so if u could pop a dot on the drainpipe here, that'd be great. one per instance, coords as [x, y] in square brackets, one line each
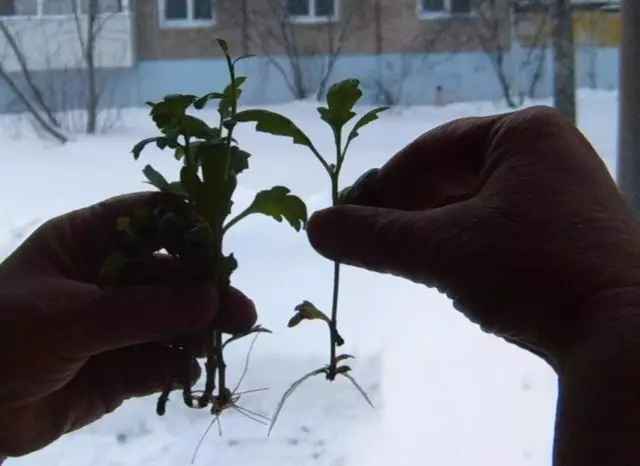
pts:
[628, 172]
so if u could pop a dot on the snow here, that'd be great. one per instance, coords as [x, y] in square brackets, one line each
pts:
[445, 392]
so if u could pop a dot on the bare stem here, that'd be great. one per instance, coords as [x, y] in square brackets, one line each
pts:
[221, 366]
[333, 331]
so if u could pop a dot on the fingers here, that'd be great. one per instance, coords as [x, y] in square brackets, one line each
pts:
[452, 162]
[425, 247]
[116, 318]
[440, 167]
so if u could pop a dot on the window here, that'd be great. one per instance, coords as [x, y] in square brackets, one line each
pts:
[311, 10]
[436, 8]
[187, 13]
[59, 7]
[18, 7]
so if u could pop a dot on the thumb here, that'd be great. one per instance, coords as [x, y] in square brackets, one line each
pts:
[121, 317]
[425, 246]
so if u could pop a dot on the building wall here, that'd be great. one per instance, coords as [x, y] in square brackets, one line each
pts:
[406, 79]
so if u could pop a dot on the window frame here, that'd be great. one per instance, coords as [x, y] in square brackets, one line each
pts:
[312, 18]
[445, 13]
[189, 22]
[39, 14]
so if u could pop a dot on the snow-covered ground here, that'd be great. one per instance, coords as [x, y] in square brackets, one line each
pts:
[445, 393]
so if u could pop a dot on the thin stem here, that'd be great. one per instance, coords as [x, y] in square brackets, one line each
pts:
[336, 282]
[236, 219]
[334, 319]
[222, 367]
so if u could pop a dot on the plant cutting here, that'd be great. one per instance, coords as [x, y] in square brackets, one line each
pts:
[189, 226]
[339, 110]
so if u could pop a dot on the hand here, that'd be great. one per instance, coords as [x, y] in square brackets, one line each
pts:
[71, 352]
[514, 217]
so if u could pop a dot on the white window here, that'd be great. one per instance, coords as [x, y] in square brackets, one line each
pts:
[443, 8]
[312, 10]
[187, 13]
[46, 8]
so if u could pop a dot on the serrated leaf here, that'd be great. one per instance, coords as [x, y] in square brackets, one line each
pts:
[155, 178]
[273, 123]
[367, 118]
[204, 100]
[239, 160]
[171, 109]
[278, 203]
[341, 98]
[227, 266]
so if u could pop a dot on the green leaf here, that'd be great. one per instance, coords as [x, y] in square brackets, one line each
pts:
[191, 182]
[178, 154]
[139, 147]
[204, 100]
[367, 118]
[197, 128]
[239, 160]
[227, 266]
[172, 108]
[307, 311]
[341, 98]
[276, 124]
[226, 104]
[343, 357]
[253, 330]
[223, 45]
[278, 203]
[155, 178]
[176, 187]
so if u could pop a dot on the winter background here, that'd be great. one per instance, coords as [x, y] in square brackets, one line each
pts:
[445, 393]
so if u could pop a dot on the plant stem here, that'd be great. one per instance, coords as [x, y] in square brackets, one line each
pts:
[331, 375]
[334, 320]
[221, 365]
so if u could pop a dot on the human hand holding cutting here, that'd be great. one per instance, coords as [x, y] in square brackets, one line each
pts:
[70, 351]
[516, 218]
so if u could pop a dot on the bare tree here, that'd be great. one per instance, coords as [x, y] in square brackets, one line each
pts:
[310, 48]
[495, 32]
[28, 93]
[72, 82]
[90, 18]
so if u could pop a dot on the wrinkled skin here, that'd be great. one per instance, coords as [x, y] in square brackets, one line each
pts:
[517, 220]
[514, 217]
[70, 351]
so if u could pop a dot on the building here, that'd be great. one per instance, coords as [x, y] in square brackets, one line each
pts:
[404, 51]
